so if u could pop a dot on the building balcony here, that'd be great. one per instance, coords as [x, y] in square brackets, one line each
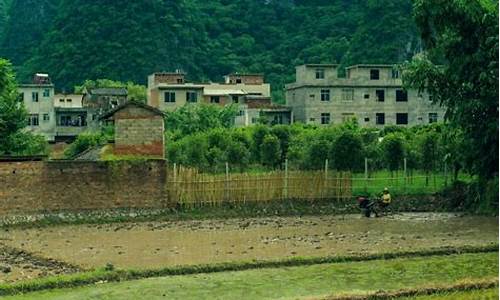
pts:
[69, 131]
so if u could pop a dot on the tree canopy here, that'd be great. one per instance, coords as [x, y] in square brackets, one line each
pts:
[460, 70]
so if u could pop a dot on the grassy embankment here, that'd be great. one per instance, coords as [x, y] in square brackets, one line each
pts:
[317, 280]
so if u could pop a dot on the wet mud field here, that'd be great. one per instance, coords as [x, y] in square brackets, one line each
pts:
[161, 244]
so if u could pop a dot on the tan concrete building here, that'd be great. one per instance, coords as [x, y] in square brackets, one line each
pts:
[139, 129]
[38, 98]
[169, 91]
[373, 94]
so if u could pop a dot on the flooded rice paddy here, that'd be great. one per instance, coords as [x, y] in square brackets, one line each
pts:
[160, 244]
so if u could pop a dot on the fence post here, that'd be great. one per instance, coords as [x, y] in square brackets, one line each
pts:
[404, 174]
[285, 187]
[366, 175]
[174, 184]
[226, 184]
[325, 189]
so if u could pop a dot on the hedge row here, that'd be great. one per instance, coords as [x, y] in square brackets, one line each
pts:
[102, 275]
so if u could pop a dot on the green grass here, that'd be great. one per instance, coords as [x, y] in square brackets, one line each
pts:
[292, 282]
[486, 294]
[414, 185]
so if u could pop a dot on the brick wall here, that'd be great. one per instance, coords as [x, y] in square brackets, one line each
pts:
[27, 187]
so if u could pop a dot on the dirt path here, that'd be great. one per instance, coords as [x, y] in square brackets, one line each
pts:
[157, 244]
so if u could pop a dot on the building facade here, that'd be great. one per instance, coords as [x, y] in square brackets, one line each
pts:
[38, 98]
[373, 94]
[61, 117]
[139, 129]
[249, 92]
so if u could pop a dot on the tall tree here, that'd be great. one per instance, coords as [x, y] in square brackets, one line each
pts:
[463, 34]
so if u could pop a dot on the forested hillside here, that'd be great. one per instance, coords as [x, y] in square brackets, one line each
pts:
[74, 40]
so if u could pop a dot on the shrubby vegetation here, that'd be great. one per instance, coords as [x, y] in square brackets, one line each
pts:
[307, 147]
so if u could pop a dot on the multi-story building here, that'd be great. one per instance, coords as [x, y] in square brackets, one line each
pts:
[64, 116]
[71, 116]
[373, 94]
[38, 98]
[169, 91]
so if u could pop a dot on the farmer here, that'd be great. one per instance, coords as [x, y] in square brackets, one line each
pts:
[385, 199]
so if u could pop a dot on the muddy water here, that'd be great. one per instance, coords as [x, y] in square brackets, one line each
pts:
[158, 244]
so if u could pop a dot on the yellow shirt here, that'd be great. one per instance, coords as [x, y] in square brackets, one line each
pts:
[386, 198]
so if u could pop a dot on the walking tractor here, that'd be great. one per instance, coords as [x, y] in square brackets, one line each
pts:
[375, 205]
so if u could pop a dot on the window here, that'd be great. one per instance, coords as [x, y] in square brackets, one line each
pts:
[215, 99]
[34, 96]
[325, 95]
[433, 117]
[401, 118]
[46, 117]
[375, 74]
[254, 120]
[278, 119]
[20, 97]
[238, 80]
[380, 95]
[347, 94]
[312, 119]
[366, 96]
[180, 80]
[241, 113]
[325, 118]
[395, 73]
[380, 118]
[346, 117]
[401, 96]
[191, 97]
[367, 119]
[170, 97]
[61, 100]
[235, 99]
[46, 93]
[33, 120]
[69, 100]
[65, 121]
[320, 74]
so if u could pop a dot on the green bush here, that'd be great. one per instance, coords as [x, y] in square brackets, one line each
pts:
[84, 141]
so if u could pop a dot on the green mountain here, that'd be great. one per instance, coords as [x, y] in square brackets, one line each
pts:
[74, 40]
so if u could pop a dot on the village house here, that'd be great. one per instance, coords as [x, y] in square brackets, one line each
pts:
[38, 98]
[169, 91]
[139, 129]
[373, 94]
[61, 117]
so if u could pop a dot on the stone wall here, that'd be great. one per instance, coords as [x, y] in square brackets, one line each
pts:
[29, 187]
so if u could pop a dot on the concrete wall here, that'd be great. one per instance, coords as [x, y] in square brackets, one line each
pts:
[27, 187]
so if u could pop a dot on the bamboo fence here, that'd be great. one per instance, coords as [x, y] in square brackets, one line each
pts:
[189, 187]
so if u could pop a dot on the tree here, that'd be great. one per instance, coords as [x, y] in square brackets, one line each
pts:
[460, 71]
[393, 150]
[13, 138]
[347, 151]
[429, 153]
[270, 152]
